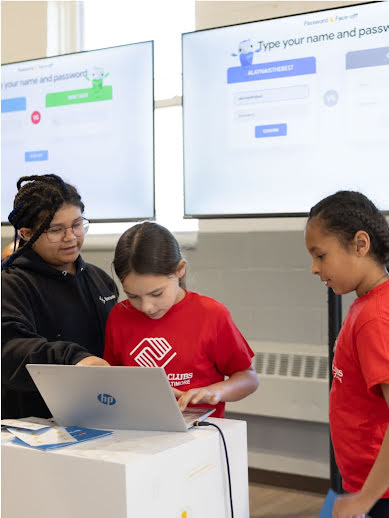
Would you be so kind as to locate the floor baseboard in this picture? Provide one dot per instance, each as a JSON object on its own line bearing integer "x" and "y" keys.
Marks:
{"x": 289, "y": 481}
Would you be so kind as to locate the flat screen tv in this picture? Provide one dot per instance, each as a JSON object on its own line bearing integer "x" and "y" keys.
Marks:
{"x": 88, "y": 117}
{"x": 280, "y": 113}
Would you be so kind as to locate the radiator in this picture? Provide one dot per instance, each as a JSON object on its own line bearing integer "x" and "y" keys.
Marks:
{"x": 293, "y": 382}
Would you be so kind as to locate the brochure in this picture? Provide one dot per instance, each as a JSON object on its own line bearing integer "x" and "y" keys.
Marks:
{"x": 76, "y": 433}
{"x": 44, "y": 434}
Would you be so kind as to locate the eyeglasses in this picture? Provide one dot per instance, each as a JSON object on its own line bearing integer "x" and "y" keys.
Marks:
{"x": 56, "y": 234}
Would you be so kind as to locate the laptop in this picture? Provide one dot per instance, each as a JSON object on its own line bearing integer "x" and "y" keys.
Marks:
{"x": 118, "y": 398}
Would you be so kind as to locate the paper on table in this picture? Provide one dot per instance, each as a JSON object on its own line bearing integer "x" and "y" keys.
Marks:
{"x": 6, "y": 436}
{"x": 77, "y": 433}
{"x": 28, "y": 423}
{"x": 80, "y": 435}
{"x": 52, "y": 435}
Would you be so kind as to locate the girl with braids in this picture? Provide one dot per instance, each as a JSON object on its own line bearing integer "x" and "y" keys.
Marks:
{"x": 348, "y": 239}
{"x": 54, "y": 305}
{"x": 162, "y": 324}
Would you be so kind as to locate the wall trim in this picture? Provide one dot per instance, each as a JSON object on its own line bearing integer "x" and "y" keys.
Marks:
{"x": 289, "y": 481}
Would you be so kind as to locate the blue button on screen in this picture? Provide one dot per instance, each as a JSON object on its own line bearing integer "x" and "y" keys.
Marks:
{"x": 16, "y": 104}
{"x": 271, "y": 130}
{"x": 273, "y": 70}
{"x": 36, "y": 156}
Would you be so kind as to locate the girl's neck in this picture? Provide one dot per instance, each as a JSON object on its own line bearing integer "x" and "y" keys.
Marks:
{"x": 181, "y": 295}
{"x": 372, "y": 282}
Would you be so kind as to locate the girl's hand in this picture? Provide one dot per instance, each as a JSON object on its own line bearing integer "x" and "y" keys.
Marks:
{"x": 93, "y": 360}
{"x": 208, "y": 395}
{"x": 237, "y": 386}
{"x": 350, "y": 506}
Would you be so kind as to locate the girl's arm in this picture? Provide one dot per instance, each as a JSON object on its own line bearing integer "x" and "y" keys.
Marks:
{"x": 376, "y": 484}
{"x": 236, "y": 387}
{"x": 21, "y": 341}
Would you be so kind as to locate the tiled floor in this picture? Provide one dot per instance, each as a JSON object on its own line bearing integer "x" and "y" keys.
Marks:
{"x": 275, "y": 502}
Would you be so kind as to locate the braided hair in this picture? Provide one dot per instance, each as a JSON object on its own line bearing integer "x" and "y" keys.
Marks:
{"x": 35, "y": 205}
{"x": 345, "y": 213}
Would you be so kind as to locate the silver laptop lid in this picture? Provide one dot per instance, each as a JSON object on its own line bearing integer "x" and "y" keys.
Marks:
{"x": 130, "y": 398}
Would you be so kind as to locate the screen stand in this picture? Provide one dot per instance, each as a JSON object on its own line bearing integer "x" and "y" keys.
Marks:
{"x": 334, "y": 325}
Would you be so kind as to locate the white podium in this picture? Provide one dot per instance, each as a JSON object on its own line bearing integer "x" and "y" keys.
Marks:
{"x": 131, "y": 474}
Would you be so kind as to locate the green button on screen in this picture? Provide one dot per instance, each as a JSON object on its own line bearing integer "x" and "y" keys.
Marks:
{"x": 87, "y": 95}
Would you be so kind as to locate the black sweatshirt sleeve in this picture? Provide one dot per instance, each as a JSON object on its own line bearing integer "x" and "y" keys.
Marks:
{"x": 22, "y": 344}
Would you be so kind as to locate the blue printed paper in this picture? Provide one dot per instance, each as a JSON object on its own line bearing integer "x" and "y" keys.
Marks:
{"x": 77, "y": 433}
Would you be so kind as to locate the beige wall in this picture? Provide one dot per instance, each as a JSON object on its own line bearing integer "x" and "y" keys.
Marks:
{"x": 23, "y": 30}
{"x": 217, "y": 14}
{"x": 35, "y": 29}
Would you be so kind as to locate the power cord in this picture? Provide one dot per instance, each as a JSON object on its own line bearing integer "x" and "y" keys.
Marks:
{"x": 206, "y": 423}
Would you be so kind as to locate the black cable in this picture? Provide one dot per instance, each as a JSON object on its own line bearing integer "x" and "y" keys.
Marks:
{"x": 206, "y": 423}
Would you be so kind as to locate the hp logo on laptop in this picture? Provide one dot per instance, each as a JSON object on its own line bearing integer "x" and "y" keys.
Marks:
{"x": 106, "y": 399}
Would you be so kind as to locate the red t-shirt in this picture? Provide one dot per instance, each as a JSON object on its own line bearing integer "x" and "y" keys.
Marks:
{"x": 196, "y": 342}
{"x": 359, "y": 414}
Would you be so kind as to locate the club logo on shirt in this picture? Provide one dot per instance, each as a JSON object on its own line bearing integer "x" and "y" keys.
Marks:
{"x": 153, "y": 352}
{"x": 337, "y": 373}
{"x": 182, "y": 378}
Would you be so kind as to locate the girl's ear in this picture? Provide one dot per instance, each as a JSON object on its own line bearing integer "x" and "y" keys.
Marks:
{"x": 25, "y": 233}
{"x": 181, "y": 268}
{"x": 362, "y": 243}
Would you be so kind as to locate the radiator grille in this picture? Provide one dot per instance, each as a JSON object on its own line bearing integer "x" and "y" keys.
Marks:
{"x": 291, "y": 365}
{"x": 284, "y": 365}
{"x": 322, "y": 372}
{"x": 271, "y": 364}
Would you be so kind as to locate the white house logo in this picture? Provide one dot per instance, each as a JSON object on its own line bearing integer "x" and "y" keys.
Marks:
{"x": 153, "y": 352}
{"x": 106, "y": 399}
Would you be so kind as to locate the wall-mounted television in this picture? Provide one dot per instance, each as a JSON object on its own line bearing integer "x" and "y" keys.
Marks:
{"x": 280, "y": 113}
{"x": 88, "y": 117}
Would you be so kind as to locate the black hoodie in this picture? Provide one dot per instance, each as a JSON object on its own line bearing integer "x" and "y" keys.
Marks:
{"x": 48, "y": 316}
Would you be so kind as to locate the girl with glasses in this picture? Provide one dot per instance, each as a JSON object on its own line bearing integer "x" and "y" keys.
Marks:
{"x": 54, "y": 305}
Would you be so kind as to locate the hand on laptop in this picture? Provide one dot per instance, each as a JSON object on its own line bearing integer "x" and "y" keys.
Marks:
{"x": 239, "y": 385}
{"x": 93, "y": 360}
{"x": 209, "y": 395}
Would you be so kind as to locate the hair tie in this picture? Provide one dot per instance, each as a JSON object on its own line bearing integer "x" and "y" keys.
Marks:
{"x": 14, "y": 211}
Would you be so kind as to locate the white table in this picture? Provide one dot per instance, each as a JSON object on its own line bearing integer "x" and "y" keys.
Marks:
{"x": 130, "y": 474}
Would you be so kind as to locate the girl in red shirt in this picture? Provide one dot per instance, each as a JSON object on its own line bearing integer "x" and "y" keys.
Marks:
{"x": 348, "y": 238}
{"x": 162, "y": 324}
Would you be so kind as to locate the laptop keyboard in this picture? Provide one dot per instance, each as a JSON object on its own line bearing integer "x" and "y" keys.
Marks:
{"x": 191, "y": 415}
